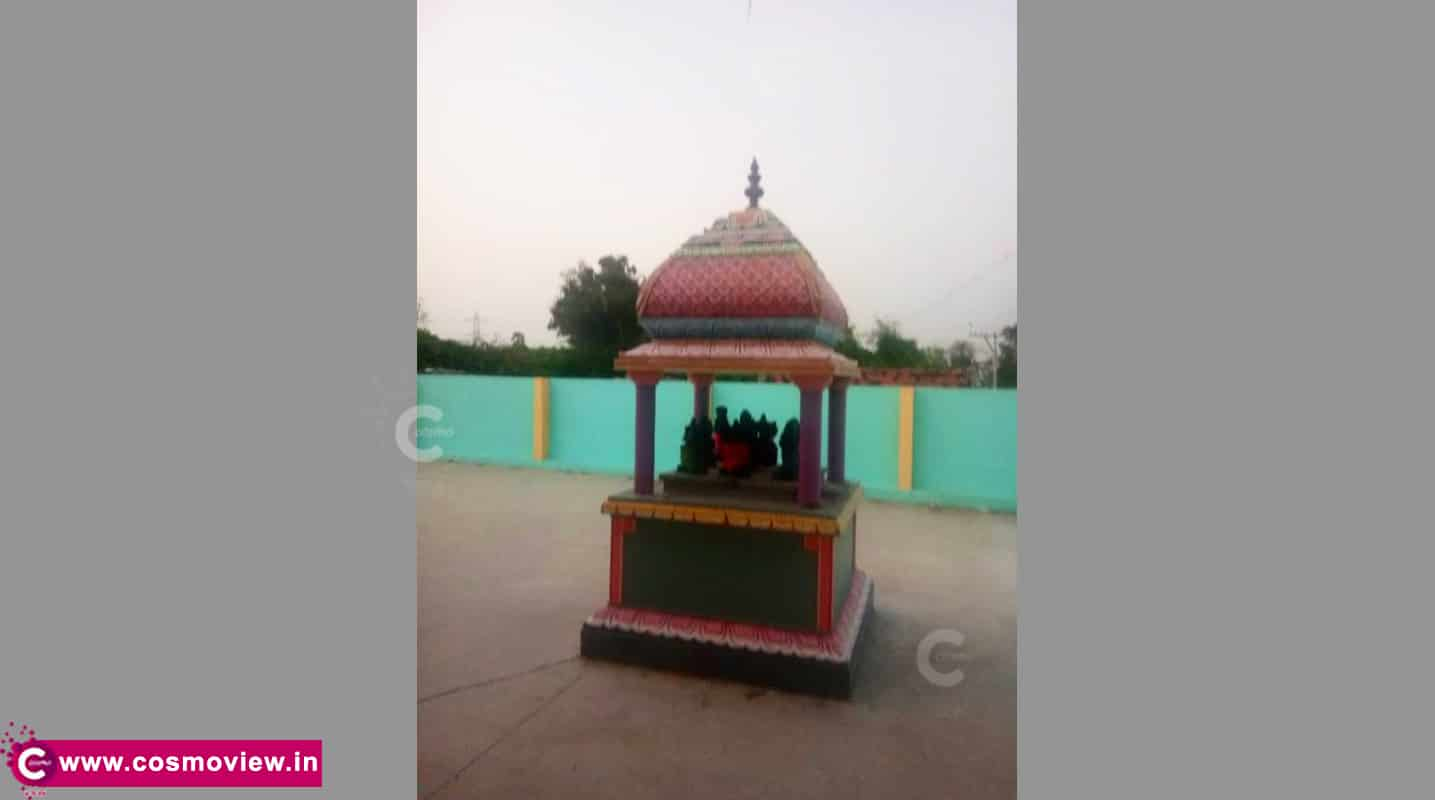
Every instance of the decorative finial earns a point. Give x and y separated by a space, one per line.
754 189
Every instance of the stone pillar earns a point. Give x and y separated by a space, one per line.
837 431
702 390
809 443
647 407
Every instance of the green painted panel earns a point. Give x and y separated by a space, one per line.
591 424
592 419
739 574
675 411
487 418
964 447
872 413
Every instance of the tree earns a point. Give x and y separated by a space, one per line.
517 341
597 310
851 346
1006 358
961 355
423 316
988 370
477 339
891 349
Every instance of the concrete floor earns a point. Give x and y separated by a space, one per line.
512 561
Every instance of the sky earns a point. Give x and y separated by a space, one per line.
550 134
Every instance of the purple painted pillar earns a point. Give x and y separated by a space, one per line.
702 390
837 431
647 407
809 443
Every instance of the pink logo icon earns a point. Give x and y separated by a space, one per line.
30 760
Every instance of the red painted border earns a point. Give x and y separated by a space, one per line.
824 584
834 646
822 546
621 525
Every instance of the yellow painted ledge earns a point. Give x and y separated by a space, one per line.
730 517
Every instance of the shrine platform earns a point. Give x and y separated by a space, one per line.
510 558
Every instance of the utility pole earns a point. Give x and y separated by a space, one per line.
476 339
993 343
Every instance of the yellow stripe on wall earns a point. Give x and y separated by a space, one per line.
906 403
540 419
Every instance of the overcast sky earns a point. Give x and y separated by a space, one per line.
550 133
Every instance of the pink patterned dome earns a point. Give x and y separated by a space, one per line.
746 276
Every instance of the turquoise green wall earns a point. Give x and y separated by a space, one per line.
964 442
964 447
872 438
591 424
486 418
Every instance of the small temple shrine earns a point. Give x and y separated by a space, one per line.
742 562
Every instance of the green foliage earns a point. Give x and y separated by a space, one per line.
891 349
1006 359
596 314
849 345
597 310
980 373
961 355
446 355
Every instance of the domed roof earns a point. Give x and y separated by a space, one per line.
745 276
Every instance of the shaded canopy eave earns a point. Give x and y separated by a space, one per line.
737 356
